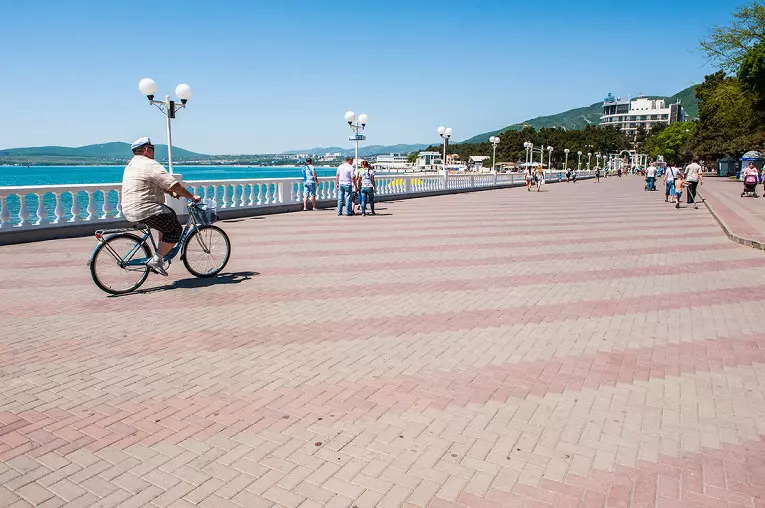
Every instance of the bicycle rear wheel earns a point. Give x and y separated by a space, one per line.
206 251
108 270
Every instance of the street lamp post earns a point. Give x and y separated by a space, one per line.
445 133
148 87
549 158
356 126
579 164
597 159
529 146
494 140
589 157
565 163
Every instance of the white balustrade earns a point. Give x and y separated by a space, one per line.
244 194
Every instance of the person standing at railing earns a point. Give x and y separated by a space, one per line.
365 181
144 185
344 183
310 182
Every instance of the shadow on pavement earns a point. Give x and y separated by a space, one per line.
196 283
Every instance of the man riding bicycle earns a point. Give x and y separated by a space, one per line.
144 184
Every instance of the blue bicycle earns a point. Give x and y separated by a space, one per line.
118 263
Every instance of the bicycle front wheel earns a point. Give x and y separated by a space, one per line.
108 268
206 251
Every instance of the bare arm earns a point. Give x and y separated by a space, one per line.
179 191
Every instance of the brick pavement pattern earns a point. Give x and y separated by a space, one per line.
584 346
745 217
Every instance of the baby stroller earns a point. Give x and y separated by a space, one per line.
750 186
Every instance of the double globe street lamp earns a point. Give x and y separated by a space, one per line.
549 157
494 140
565 164
168 107
356 125
579 164
445 133
589 157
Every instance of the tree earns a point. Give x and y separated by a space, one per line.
412 157
728 123
752 71
727 45
671 142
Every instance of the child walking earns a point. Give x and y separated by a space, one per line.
679 184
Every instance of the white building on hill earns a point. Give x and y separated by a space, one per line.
627 115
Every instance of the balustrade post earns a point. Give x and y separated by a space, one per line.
59 210
495 179
241 198
106 207
224 197
41 213
252 195
445 179
91 207
260 194
5 214
407 184
75 207
23 212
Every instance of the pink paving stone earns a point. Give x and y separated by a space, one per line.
264 365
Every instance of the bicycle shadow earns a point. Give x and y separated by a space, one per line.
197 283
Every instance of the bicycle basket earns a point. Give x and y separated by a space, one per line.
204 215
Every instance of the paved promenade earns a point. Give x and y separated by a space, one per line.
744 217
584 346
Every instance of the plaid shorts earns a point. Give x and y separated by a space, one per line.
167 223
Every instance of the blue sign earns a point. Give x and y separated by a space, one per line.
357 137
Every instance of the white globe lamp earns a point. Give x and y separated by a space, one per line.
183 92
148 87
350 116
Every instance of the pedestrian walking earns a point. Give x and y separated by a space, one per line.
597 175
365 181
669 184
679 184
310 183
344 184
694 177
529 176
540 178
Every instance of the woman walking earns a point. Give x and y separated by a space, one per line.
366 183
540 178
529 175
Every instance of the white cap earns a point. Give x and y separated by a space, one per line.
138 143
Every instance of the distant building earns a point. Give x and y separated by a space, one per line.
429 160
392 161
627 115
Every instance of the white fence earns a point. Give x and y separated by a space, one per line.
61 206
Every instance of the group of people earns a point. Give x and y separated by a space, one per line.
677 179
355 188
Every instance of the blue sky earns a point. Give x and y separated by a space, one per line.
278 75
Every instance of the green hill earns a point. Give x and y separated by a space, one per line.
90 154
589 115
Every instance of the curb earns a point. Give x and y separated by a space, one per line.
733 237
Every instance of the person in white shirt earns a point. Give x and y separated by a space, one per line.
694 177
669 183
650 177
365 181
344 184
144 185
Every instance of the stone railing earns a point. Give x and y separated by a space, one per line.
65 206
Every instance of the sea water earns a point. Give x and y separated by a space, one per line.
15 176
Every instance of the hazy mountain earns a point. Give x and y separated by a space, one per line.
113 150
589 115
